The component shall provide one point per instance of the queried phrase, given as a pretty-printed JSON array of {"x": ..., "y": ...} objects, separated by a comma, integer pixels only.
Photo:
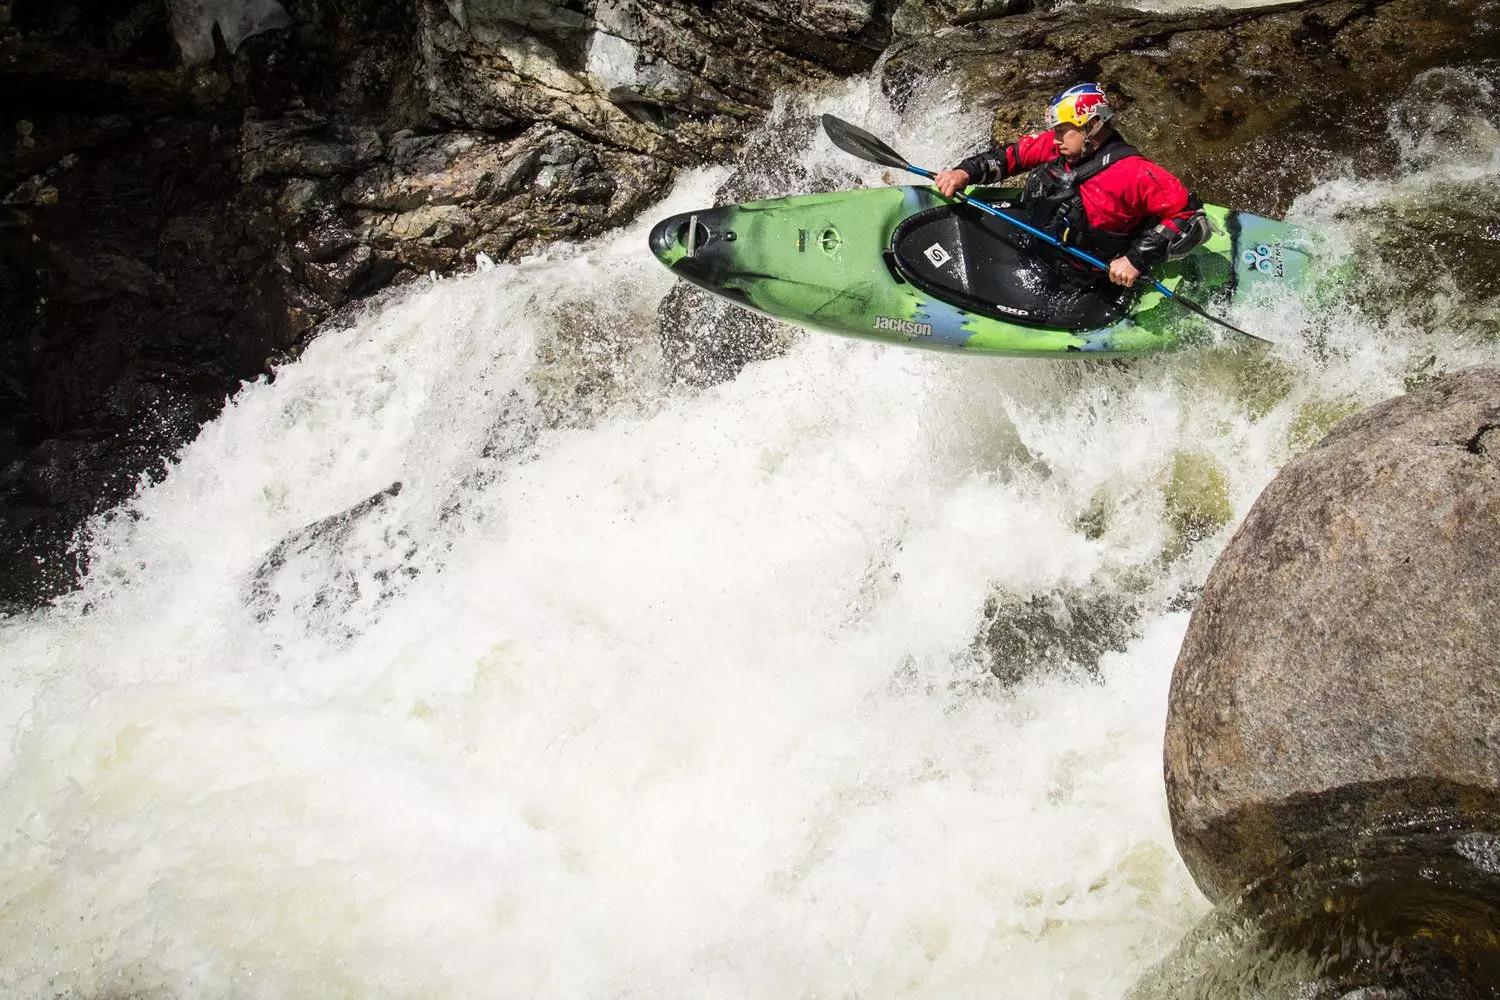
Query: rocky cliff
[{"x": 189, "y": 192}]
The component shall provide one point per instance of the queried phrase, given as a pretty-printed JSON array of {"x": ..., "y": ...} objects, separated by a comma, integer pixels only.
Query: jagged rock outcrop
[
  {"x": 1249, "y": 106},
  {"x": 173, "y": 221},
  {"x": 1341, "y": 674},
  {"x": 677, "y": 80}
]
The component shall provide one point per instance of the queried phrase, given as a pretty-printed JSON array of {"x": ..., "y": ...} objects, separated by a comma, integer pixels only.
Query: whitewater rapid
[{"x": 634, "y": 689}]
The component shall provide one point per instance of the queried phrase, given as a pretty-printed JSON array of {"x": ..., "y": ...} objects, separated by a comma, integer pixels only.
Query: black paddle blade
[
  {"x": 1194, "y": 307},
  {"x": 858, "y": 142}
]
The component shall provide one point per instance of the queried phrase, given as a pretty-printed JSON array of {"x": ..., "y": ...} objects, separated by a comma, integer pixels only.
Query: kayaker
[{"x": 1092, "y": 190}]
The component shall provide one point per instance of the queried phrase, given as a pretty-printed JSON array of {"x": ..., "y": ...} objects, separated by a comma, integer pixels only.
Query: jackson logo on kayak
[
  {"x": 905, "y": 326},
  {"x": 938, "y": 255}
]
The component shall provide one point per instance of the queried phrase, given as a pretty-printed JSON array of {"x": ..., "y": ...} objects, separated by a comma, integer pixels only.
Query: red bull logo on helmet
[{"x": 1078, "y": 106}]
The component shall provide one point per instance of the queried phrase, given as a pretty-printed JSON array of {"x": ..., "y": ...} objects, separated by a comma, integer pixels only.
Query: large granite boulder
[{"x": 1341, "y": 673}]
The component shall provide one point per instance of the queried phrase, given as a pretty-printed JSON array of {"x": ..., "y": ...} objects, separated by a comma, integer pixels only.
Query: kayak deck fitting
[{"x": 904, "y": 265}]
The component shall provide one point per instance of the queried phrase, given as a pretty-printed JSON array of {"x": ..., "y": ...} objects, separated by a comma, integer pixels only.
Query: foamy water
[{"x": 674, "y": 696}]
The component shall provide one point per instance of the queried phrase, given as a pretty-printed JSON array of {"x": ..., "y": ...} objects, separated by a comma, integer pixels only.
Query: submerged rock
[
  {"x": 1064, "y": 630},
  {"x": 1400, "y": 914},
  {"x": 706, "y": 340},
  {"x": 367, "y": 559},
  {"x": 1195, "y": 502},
  {"x": 1342, "y": 669}
]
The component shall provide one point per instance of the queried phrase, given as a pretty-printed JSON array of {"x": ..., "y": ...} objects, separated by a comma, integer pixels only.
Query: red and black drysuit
[{"x": 1112, "y": 203}]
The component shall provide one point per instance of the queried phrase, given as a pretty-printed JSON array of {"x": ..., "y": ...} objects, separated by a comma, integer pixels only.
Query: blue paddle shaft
[
  {"x": 862, "y": 144},
  {"x": 1035, "y": 231}
]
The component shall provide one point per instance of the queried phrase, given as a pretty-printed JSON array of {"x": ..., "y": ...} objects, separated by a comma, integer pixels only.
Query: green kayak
[{"x": 904, "y": 265}]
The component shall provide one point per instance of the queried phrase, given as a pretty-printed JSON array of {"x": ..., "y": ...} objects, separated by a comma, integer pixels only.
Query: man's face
[{"x": 1068, "y": 141}]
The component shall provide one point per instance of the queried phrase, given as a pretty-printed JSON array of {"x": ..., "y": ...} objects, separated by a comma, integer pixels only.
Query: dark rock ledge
[{"x": 169, "y": 230}]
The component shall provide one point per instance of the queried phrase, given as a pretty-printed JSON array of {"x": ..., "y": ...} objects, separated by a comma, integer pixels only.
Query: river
[{"x": 633, "y": 688}]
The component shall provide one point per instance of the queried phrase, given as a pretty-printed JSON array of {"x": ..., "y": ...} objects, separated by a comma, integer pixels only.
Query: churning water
[{"x": 473, "y": 657}]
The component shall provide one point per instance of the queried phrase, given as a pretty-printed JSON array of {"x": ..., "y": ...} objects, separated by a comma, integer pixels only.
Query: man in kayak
[{"x": 1091, "y": 190}]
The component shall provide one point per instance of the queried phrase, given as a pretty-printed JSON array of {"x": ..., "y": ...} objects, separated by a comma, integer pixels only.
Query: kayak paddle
[{"x": 858, "y": 142}]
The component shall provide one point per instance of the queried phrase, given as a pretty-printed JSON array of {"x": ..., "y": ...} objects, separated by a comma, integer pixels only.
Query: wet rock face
[
  {"x": 1247, "y": 106},
  {"x": 174, "y": 220},
  {"x": 1066, "y": 630},
  {"x": 97, "y": 383},
  {"x": 679, "y": 80},
  {"x": 1342, "y": 669}
]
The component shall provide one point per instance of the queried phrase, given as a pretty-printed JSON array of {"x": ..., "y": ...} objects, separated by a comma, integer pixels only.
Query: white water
[{"x": 670, "y": 699}]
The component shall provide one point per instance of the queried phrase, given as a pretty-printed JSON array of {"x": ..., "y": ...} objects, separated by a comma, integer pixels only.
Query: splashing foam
[
  {"x": 193, "y": 24},
  {"x": 672, "y": 698}
]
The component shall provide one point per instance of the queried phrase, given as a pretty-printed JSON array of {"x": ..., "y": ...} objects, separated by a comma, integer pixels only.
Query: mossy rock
[
  {"x": 1316, "y": 418},
  {"x": 1196, "y": 502}
]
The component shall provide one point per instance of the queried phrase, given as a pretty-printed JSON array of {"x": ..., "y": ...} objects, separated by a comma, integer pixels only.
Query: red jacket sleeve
[
  {"x": 1162, "y": 196},
  {"x": 1157, "y": 197},
  {"x": 1013, "y": 158}
]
